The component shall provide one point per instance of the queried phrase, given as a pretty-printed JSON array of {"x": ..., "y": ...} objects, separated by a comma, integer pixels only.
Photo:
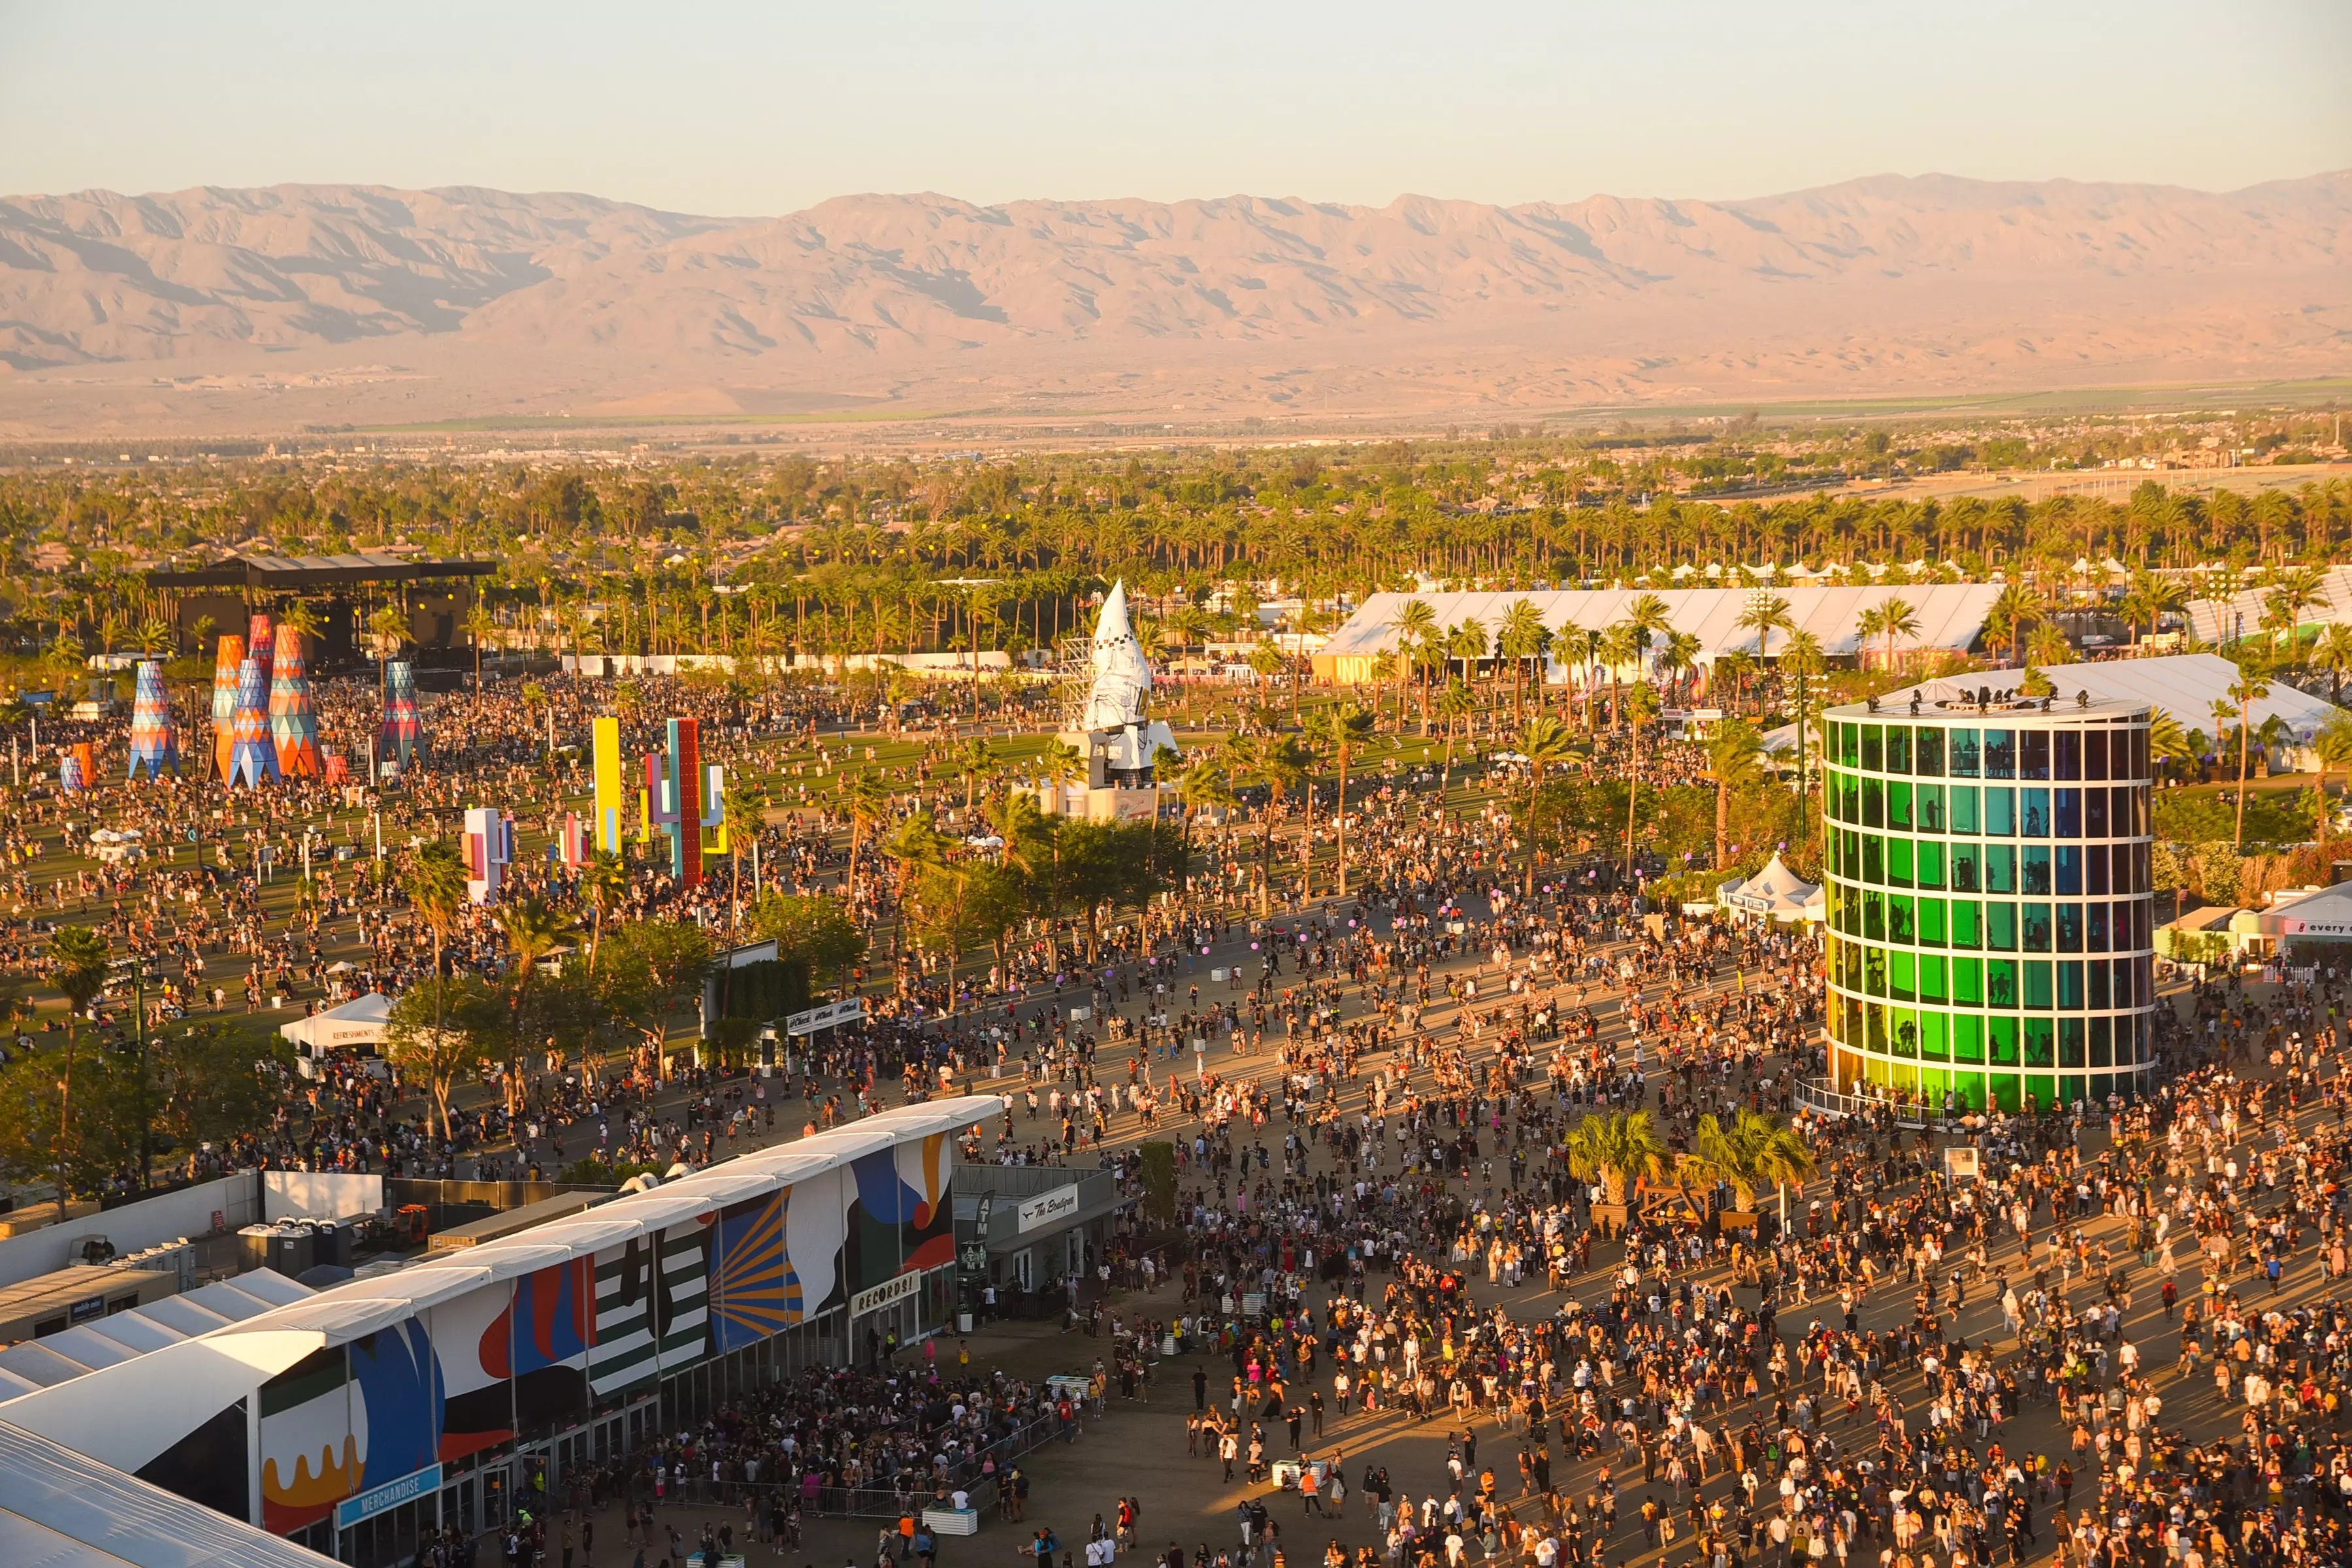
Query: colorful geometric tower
[
  {"x": 293, "y": 715},
  {"x": 73, "y": 769},
  {"x": 154, "y": 739},
  {"x": 404, "y": 726},
  {"x": 489, "y": 850},
  {"x": 260, "y": 641},
  {"x": 228, "y": 657},
  {"x": 253, "y": 756},
  {"x": 684, "y": 799}
]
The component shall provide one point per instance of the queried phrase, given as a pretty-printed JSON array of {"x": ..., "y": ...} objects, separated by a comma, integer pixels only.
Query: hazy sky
[{"x": 748, "y": 109}]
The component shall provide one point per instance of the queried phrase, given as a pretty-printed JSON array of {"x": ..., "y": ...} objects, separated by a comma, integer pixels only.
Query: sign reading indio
[{"x": 884, "y": 1294}]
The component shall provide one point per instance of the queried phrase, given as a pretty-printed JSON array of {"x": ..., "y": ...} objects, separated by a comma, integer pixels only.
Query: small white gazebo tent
[
  {"x": 357, "y": 1026},
  {"x": 1774, "y": 893}
]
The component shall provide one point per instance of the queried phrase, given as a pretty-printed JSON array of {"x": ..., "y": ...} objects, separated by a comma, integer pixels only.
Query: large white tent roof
[
  {"x": 1950, "y": 614},
  {"x": 2241, "y": 614},
  {"x": 2185, "y": 685},
  {"x": 59, "y": 1509}
]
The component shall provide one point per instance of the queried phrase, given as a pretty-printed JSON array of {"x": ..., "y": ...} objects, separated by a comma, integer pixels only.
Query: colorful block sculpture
[
  {"x": 489, "y": 850},
  {"x": 684, "y": 799},
  {"x": 334, "y": 766},
  {"x": 154, "y": 739},
  {"x": 404, "y": 726},
  {"x": 73, "y": 769},
  {"x": 605, "y": 736},
  {"x": 252, "y": 757},
  {"x": 574, "y": 845},
  {"x": 293, "y": 714},
  {"x": 228, "y": 657}
]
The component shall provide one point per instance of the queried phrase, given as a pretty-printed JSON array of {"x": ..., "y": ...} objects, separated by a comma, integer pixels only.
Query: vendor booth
[{"x": 354, "y": 1029}]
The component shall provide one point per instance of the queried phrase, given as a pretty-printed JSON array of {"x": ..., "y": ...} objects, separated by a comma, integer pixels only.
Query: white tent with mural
[{"x": 1774, "y": 893}]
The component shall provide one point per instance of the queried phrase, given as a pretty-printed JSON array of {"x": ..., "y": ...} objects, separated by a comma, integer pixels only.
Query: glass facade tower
[{"x": 1991, "y": 918}]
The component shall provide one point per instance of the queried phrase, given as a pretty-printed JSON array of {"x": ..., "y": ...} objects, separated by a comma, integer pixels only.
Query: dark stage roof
[{"x": 283, "y": 574}]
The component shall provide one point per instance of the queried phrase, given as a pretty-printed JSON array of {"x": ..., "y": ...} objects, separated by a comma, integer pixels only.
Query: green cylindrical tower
[{"x": 1990, "y": 915}]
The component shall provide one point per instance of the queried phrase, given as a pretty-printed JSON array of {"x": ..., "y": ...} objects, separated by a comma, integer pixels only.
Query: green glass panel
[
  {"x": 1931, "y": 922},
  {"x": 2103, "y": 1045},
  {"x": 2033, "y": 927},
  {"x": 2070, "y": 1043},
  {"x": 1967, "y": 866},
  {"x": 1903, "y": 1027},
  {"x": 2041, "y": 1041},
  {"x": 2070, "y": 928},
  {"x": 1873, "y": 747},
  {"x": 2036, "y": 876},
  {"x": 1968, "y": 981},
  {"x": 2001, "y": 983},
  {"x": 1850, "y": 745},
  {"x": 1899, "y": 862},
  {"x": 1967, "y": 922},
  {"x": 1963, "y": 803},
  {"x": 2001, "y": 926},
  {"x": 2000, "y": 1040},
  {"x": 2070, "y": 984},
  {"x": 1927, "y": 754},
  {"x": 1932, "y": 981},
  {"x": 1968, "y": 1037},
  {"x": 1873, "y": 858},
  {"x": 2042, "y": 1091},
  {"x": 1900, "y": 926},
  {"x": 2005, "y": 1092},
  {"x": 1898, "y": 748},
  {"x": 1874, "y": 803},
  {"x": 2033, "y": 813},
  {"x": 1903, "y": 974},
  {"x": 1929, "y": 871},
  {"x": 2035, "y": 981},
  {"x": 1898, "y": 807},
  {"x": 1873, "y": 971},
  {"x": 2000, "y": 811},
  {"x": 1928, "y": 808},
  {"x": 2001, "y": 867},
  {"x": 1874, "y": 1020},
  {"x": 1873, "y": 914}
]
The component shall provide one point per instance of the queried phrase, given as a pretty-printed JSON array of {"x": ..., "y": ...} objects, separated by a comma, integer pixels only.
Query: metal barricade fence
[{"x": 889, "y": 1502}]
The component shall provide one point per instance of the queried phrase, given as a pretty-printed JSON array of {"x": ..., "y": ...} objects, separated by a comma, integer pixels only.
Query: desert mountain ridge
[{"x": 383, "y": 303}]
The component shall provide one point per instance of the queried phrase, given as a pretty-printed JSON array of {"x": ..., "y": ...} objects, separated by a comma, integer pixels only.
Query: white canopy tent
[
  {"x": 358, "y": 1025},
  {"x": 1774, "y": 893}
]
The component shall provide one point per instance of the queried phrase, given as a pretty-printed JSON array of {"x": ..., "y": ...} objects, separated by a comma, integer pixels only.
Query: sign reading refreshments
[
  {"x": 353, "y": 1510},
  {"x": 884, "y": 1294},
  {"x": 1047, "y": 1207}
]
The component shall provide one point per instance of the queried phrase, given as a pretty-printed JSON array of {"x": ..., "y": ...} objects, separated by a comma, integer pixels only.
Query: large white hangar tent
[
  {"x": 375, "y": 1403},
  {"x": 2185, "y": 685},
  {"x": 1950, "y": 618}
]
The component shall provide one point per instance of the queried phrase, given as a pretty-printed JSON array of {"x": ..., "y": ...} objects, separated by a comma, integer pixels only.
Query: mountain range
[{"x": 230, "y": 308}]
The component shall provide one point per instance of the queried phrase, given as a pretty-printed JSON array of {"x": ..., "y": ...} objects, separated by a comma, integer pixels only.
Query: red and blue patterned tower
[
  {"x": 228, "y": 657},
  {"x": 253, "y": 756},
  {"x": 293, "y": 715},
  {"x": 154, "y": 739},
  {"x": 404, "y": 727}
]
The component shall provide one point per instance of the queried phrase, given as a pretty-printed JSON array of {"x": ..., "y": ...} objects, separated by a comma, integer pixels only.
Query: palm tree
[
  {"x": 1735, "y": 760},
  {"x": 1896, "y": 619},
  {"x": 1640, "y": 706},
  {"x": 1617, "y": 1149},
  {"x": 1621, "y": 646},
  {"x": 78, "y": 965},
  {"x": 973, "y": 762},
  {"x": 1278, "y": 762},
  {"x": 603, "y": 883},
  {"x": 1468, "y": 643},
  {"x": 1754, "y": 1150},
  {"x": 1205, "y": 784},
  {"x": 1454, "y": 707},
  {"x": 1414, "y": 624},
  {"x": 1679, "y": 658},
  {"x": 1766, "y": 614},
  {"x": 2249, "y": 689},
  {"x": 435, "y": 881},
  {"x": 2333, "y": 747},
  {"x": 1342, "y": 728},
  {"x": 2048, "y": 644},
  {"x": 1545, "y": 742},
  {"x": 867, "y": 800},
  {"x": 2006, "y": 618},
  {"x": 1521, "y": 638},
  {"x": 479, "y": 623},
  {"x": 2332, "y": 651},
  {"x": 534, "y": 927},
  {"x": 2167, "y": 741}
]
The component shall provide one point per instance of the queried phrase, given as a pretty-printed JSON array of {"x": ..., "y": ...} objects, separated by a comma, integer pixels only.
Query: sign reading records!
[
  {"x": 1047, "y": 1207},
  {"x": 884, "y": 1294}
]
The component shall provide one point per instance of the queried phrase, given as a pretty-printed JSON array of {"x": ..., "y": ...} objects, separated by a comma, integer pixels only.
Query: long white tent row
[
  {"x": 2242, "y": 613},
  {"x": 2185, "y": 685},
  {"x": 399, "y": 1401},
  {"x": 1950, "y": 618}
]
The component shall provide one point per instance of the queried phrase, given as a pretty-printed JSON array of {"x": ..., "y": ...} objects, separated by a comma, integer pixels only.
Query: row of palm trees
[{"x": 1621, "y": 1150}]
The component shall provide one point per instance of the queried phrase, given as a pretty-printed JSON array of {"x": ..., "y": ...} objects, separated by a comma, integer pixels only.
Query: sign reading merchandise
[
  {"x": 1047, "y": 1207},
  {"x": 390, "y": 1495},
  {"x": 884, "y": 1294}
]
